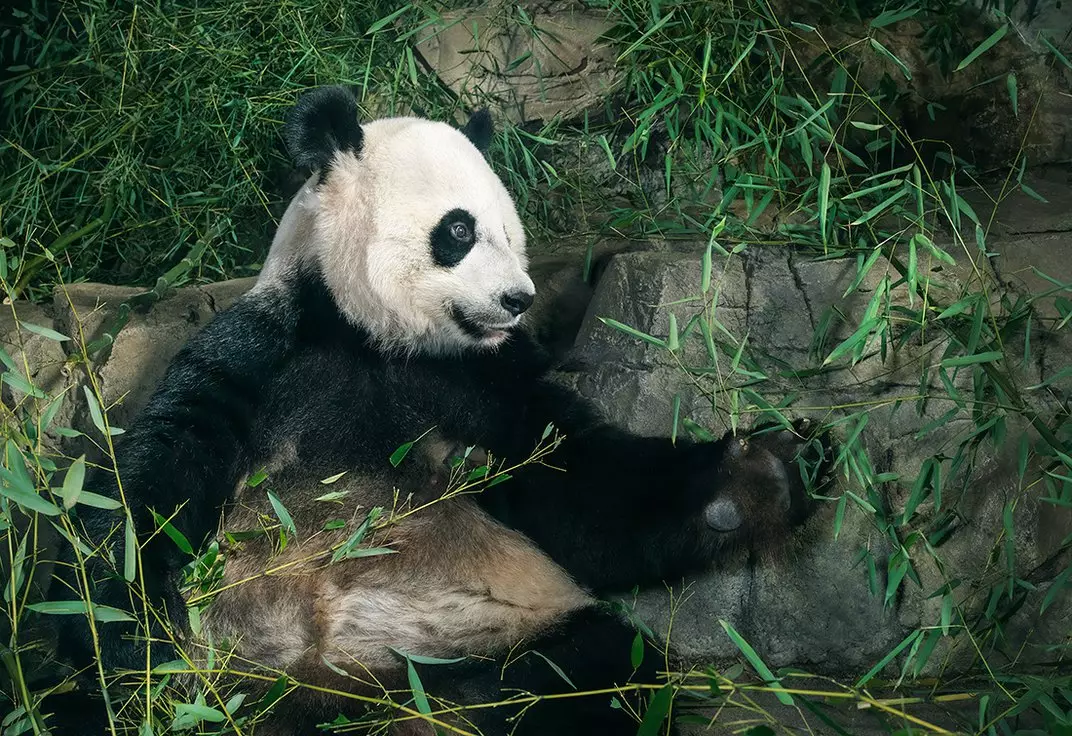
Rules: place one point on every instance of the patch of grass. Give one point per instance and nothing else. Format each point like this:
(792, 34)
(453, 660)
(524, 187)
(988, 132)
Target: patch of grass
(132, 129)
(141, 139)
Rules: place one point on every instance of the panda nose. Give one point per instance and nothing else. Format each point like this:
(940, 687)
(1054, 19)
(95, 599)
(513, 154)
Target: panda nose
(516, 302)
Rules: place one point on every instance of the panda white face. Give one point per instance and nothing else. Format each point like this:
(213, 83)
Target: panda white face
(416, 237)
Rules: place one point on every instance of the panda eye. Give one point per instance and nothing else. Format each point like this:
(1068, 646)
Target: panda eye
(461, 232)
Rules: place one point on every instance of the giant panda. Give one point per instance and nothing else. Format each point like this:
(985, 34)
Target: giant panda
(389, 315)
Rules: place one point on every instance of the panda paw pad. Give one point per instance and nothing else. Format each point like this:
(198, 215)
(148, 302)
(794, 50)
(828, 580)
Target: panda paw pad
(764, 481)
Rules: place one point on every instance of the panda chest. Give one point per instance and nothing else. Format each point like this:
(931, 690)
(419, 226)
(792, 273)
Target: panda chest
(352, 408)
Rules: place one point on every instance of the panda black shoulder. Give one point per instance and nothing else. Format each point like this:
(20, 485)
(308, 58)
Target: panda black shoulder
(322, 123)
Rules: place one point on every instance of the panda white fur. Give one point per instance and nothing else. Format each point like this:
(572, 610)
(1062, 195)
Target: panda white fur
(388, 310)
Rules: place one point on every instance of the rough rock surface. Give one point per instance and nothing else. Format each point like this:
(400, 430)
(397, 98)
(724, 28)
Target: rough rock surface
(539, 61)
(1033, 230)
(812, 609)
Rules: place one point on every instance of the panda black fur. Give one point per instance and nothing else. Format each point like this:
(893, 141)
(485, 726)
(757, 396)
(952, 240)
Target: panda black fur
(389, 306)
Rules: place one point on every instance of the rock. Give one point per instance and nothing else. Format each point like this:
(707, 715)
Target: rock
(545, 64)
(143, 347)
(45, 360)
(223, 294)
(784, 608)
(37, 363)
(1026, 261)
(1007, 210)
(1051, 21)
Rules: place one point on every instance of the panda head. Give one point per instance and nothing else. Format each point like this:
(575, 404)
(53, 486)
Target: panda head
(413, 234)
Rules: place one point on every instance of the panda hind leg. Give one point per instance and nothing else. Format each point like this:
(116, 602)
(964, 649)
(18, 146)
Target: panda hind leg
(592, 648)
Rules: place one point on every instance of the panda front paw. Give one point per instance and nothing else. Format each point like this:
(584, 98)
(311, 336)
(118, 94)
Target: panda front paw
(761, 482)
(447, 463)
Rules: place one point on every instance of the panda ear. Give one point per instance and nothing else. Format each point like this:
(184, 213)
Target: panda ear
(480, 129)
(322, 123)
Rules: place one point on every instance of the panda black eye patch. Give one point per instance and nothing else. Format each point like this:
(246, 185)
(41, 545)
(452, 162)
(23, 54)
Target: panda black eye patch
(453, 238)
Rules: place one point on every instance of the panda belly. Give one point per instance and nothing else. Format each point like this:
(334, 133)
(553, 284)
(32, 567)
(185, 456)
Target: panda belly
(470, 587)
(458, 584)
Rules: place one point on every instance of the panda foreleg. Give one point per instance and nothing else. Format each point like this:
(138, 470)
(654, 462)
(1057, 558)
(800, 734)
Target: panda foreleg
(183, 454)
(635, 510)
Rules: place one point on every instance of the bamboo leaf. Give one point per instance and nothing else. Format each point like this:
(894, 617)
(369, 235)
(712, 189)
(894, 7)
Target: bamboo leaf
(880, 207)
(96, 415)
(1022, 456)
(97, 501)
(705, 266)
(420, 697)
(333, 496)
(130, 550)
(987, 357)
(282, 514)
(350, 545)
(853, 340)
(555, 667)
(633, 332)
(658, 710)
(648, 34)
(44, 332)
(824, 199)
(890, 55)
(1060, 57)
(58, 608)
(982, 48)
(606, 149)
(740, 58)
(107, 614)
(910, 639)
(958, 307)
(386, 20)
(17, 382)
(889, 17)
(17, 489)
(947, 612)
(912, 271)
(18, 571)
(872, 189)
(1059, 583)
(636, 653)
(421, 659)
(72, 482)
(400, 454)
(104, 614)
(757, 664)
(188, 715)
(370, 552)
(839, 515)
(176, 536)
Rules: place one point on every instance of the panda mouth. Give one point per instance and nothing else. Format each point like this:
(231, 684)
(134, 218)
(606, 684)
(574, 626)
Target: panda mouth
(479, 330)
